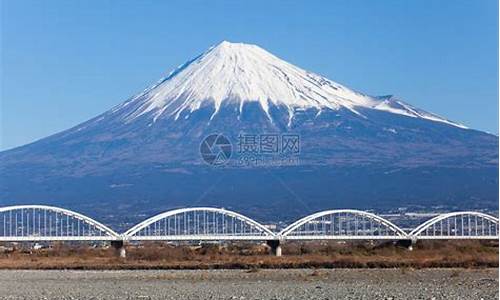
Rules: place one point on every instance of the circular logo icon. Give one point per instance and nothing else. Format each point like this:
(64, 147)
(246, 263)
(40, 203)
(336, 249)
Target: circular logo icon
(216, 149)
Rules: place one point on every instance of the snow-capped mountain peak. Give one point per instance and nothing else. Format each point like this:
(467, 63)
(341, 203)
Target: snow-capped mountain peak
(239, 73)
(347, 145)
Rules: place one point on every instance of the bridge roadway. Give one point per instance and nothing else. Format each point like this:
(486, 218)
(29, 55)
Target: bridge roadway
(48, 223)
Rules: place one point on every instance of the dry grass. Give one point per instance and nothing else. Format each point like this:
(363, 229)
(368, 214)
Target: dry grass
(254, 257)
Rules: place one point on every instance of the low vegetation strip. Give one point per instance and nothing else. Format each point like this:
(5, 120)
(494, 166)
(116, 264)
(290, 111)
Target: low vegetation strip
(426, 254)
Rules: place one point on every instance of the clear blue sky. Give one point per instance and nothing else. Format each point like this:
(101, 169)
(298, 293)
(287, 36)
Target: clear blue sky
(64, 62)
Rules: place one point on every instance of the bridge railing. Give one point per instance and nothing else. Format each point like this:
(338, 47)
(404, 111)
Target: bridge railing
(199, 223)
(458, 225)
(49, 223)
(342, 224)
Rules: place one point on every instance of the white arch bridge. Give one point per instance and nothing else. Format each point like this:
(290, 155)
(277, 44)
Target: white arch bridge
(48, 223)
(34, 223)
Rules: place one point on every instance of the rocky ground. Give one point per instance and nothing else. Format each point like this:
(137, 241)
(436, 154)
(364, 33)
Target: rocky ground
(252, 284)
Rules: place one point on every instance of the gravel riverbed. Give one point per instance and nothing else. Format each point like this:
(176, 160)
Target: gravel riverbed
(253, 284)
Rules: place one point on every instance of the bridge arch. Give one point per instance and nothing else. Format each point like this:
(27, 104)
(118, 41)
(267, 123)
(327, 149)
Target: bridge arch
(342, 224)
(199, 223)
(458, 225)
(50, 223)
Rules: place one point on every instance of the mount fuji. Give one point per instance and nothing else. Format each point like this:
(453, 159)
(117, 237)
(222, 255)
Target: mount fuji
(356, 150)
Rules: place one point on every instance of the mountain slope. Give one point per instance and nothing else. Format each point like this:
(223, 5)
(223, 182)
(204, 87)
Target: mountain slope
(239, 89)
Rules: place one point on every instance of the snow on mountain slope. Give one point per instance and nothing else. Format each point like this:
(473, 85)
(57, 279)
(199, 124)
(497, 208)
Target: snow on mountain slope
(355, 149)
(396, 106)
(241, 73)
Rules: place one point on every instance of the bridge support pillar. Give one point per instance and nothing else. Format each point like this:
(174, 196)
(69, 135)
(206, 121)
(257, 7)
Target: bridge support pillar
(275, 246)
(413, 242)
(119, 248)
(408, 244)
